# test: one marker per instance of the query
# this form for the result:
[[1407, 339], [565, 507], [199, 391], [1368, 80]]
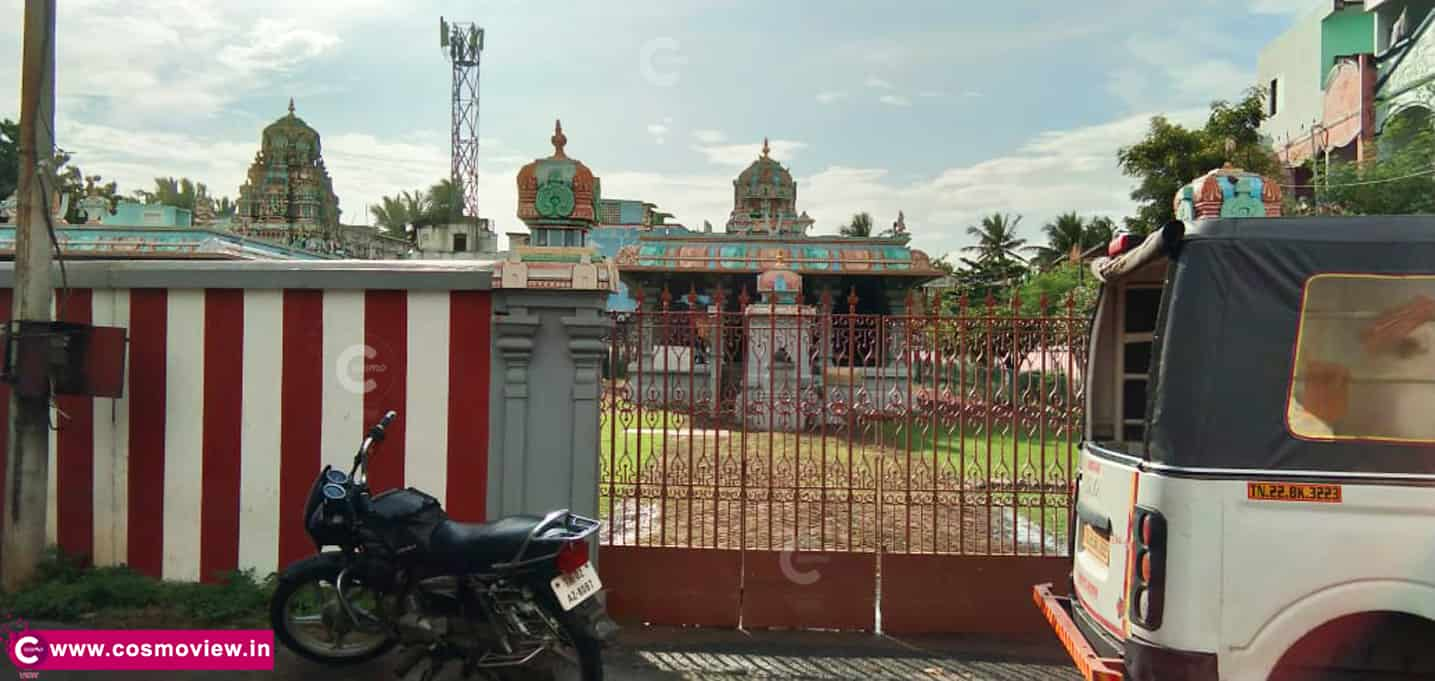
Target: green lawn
[[975, 448]]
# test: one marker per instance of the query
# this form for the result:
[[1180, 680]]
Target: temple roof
[[746, 254], [765, 172], [290, 128], [557, 191]]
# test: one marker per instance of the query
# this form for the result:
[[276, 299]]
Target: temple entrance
[[789, 465]]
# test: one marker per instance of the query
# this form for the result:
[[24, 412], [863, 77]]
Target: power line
[[1363, 183]]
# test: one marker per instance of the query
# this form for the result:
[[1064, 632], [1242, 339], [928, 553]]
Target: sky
[[947, 110]]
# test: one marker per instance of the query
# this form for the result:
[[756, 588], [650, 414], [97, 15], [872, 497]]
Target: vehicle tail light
[[572, 556], [1121, 243], [1148, 579]]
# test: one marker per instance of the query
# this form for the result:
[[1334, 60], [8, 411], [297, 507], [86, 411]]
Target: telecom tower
[[463, 42]]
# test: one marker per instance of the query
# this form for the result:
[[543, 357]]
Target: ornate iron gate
[[770, 465]]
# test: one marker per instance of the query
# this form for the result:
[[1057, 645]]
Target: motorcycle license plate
[[576, 587]]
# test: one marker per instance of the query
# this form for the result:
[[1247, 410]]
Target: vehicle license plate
[[577, 587], [1095, 544], [1283, 491]]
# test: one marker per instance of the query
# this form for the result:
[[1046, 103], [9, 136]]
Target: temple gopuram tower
[[288, 194], [558, 202], [764, 200]]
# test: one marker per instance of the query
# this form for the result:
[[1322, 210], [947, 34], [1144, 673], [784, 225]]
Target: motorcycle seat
[[466, 548]]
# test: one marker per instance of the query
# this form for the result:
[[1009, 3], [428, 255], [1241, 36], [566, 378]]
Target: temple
[[288, 195], [765, 232], [558, 201]]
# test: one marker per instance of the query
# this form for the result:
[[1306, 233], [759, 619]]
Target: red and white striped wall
[[235, 398]]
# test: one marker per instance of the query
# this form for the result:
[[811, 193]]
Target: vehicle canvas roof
[[1225, 345]]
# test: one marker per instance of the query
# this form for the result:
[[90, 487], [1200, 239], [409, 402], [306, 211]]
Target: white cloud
[[830, 96], [659, 132], [1054, 172], [931, 93], [973, 93], [275, 46], [739, 155], [364, 167], [709, 136], [875, 82], [895, 100], [1181, 73], [160, 62]]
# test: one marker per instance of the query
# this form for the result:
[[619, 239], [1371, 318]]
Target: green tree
[[9, 157], [1068, 231], [1055, 285], [392, 215], [1099, 231], [1399, 182], [997, 240], [859, 226], [444, 203], [979, 280], [1172, 155], [183, 193]]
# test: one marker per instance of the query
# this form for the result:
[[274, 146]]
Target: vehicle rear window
[[1364, 365]]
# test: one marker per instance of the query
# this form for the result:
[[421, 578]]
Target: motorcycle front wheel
[[309, 619]]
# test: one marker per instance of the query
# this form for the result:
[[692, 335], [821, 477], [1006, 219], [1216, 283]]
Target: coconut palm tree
[[1099, 231], [996, 239], [391, 215], [859, 226], [1067, 232]]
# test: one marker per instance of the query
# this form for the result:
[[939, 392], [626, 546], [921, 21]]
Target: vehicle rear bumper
[[1141, 661], [1093, 667]]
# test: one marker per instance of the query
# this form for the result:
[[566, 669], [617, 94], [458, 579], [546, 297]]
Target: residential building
[[1314, 80]]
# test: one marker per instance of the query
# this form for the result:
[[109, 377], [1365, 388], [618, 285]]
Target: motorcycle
[[516, 598]]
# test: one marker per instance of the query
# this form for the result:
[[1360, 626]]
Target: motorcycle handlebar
[[376, 434]]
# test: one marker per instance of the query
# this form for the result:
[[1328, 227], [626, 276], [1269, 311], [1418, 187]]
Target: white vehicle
[[1255, 496]]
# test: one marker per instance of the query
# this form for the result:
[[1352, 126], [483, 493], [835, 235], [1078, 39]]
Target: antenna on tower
[[462, 43]]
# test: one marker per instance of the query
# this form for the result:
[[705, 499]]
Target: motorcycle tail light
[[572, 556]]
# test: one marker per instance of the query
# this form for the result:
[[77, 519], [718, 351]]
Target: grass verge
[[66, 591]]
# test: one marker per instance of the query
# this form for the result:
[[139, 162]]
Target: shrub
[[63, 590]]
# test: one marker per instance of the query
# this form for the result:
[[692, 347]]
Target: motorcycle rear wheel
[[308, 619]]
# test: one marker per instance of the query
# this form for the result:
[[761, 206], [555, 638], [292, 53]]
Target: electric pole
[[27, 464]]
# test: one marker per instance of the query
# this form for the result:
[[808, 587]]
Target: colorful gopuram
[[288, 195], [765, 231]]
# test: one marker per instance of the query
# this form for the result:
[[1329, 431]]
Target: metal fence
[[786, 427]]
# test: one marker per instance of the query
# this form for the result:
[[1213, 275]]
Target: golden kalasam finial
[[291, 105], [764, 147], [559, 140]]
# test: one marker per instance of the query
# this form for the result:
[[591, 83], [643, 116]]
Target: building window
[[1274, 97], [460, 243], [1363, 355]]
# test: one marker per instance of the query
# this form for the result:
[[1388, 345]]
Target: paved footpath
[[665, 654]]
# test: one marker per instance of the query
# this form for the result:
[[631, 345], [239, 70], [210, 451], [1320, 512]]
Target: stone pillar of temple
[[551, 332]]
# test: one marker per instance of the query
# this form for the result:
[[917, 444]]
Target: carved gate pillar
[[550, 342]]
